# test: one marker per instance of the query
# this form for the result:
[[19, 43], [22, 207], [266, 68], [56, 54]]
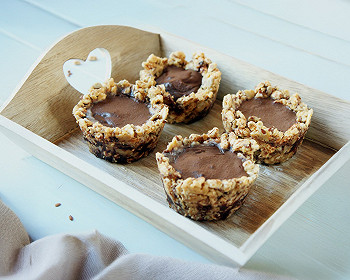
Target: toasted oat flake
[[201, 198], [130, 142], [191, 107], [275, 146], [97, 86], [92, 58], [77, 62]]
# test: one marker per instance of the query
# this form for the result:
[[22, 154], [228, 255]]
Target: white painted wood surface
[[277, 193], [313, 243]]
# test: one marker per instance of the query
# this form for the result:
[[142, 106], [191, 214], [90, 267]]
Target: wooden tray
[[38, 117]]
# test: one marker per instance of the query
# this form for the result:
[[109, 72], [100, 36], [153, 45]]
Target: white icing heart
[[82, 74]]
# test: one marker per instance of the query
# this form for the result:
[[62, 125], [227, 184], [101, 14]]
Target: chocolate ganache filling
[[272, 114], [180, 82], [207, 161], [118, 111]]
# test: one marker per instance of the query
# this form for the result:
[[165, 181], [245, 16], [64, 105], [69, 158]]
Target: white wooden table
[[306, 41]]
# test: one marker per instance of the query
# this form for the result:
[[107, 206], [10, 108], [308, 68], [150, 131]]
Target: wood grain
[[331, 130], [52, 97], [273, 187], [43, 105]]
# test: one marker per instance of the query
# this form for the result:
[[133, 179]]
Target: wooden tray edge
[[180, 228], [225, 252], [312, 184]]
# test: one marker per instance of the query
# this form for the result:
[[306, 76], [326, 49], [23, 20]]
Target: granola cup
[[130, 142], [196, 105], [207, 199], [275, 146]]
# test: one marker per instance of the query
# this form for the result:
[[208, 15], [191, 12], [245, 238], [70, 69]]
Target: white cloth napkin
[[93, 256]]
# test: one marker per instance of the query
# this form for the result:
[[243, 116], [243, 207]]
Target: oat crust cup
[[193, 105], [207, 199], [276, 146], [127, 143]]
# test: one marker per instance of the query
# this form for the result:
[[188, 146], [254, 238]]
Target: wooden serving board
[[38, 117]]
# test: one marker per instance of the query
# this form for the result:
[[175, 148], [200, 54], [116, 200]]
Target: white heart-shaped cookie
[[82, 74]]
